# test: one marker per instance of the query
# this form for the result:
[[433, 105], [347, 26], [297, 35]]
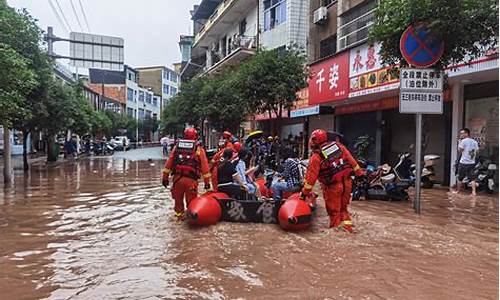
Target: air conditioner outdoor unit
[[320, 15]]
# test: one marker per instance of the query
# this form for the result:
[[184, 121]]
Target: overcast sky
[[150, 28]]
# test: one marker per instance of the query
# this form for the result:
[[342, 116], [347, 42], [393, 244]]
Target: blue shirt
[[241, 170]]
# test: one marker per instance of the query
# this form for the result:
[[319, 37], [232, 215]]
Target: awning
[[311, 110]]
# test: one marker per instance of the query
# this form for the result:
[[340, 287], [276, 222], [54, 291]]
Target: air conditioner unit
[[320, 15]]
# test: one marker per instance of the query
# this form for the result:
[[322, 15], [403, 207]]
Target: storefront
[[474, 90]]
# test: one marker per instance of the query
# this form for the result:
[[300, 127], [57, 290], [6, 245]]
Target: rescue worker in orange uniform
[[187, 162], [331, 163], [224, 143]]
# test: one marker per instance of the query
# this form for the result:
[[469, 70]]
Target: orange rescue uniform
[[185, 184], [336, 183]]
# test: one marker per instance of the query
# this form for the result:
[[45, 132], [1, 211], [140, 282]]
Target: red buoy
[[295, 214], [205, 209]]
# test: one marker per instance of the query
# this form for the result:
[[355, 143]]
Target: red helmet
[[190, 134], [318, 137], [227, 135], [237, 146]]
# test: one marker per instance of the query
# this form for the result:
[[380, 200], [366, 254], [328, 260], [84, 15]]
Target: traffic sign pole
[[418, 163]]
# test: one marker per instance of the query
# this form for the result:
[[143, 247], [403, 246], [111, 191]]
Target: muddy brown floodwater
[[102, 229]]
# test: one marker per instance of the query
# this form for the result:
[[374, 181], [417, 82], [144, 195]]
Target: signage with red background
[[329, 79]]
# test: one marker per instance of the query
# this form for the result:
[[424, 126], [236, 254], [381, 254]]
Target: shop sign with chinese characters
[[367, 74], [329, 79], [421, 91]]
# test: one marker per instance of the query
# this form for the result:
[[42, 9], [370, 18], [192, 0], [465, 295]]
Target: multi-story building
[[134, 100], [228, 32], [163, 81], [348, 75]]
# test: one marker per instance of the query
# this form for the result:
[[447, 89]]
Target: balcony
[[226, 16], [239, 50]]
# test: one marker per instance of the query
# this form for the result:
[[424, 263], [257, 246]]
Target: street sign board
[[421, 91], [419, 47], [96, 51]]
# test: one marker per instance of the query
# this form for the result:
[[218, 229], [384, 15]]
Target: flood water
[[103, 229]]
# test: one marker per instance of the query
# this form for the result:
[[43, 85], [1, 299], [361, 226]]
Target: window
[[141, 113], [165, 89], [355, 24], [274, 13], [328, 46], [130, 112], [141, 96], [173, 90], [130, 94], [148, 114], [148, 98], [243, 26], [155, 101], [328, 2]]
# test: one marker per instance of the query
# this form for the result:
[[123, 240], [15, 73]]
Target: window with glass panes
[[274, 13]]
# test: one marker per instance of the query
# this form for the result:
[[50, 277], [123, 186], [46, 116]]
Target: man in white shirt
[[467, 149]]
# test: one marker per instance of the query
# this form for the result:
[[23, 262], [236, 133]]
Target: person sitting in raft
[[229, 181], [290, 179], [243, 163]]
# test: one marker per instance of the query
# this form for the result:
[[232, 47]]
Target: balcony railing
[[219, 11], [238, 42]]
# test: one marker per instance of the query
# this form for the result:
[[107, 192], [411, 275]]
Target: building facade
[[228, 32], [162, 81], [348, 76]]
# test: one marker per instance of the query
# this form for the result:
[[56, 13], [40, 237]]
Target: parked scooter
[[484, 172], [428, 178], [380, 184]]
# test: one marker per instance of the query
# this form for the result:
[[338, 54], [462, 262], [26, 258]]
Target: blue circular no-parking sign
[[419, 46]]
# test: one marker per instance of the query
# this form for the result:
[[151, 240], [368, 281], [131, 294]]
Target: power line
[[76, 15], [63, 16], [84, 15], [58, 17]]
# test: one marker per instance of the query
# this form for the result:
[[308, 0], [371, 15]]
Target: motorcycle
[[380, 184], [428, 177], [484, 172]]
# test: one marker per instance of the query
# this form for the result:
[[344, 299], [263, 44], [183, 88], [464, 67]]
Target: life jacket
[[334, 166], [186, 160]]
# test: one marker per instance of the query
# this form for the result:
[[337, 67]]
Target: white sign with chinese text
[[421, 79], [421, 91], [364, 59]]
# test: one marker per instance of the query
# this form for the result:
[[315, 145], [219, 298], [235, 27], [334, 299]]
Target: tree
[[271, 79], [100, 123], [19, 38], [467, 27], [148, 126], [25, 119], [57, 114], [225, 106], [171, 123]]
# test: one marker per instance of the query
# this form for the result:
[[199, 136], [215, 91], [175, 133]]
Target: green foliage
[[467, 27], [171, 122], [19, 45], [16, 80], [270, 80], [120, 124], [100, 123], [362, 146]]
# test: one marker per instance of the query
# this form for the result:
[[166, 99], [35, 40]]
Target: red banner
[[329, 79]]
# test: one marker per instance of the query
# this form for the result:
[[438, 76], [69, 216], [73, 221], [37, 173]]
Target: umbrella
[[254, 135]]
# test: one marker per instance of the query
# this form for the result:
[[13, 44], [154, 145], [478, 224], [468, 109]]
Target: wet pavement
[[102, 229]]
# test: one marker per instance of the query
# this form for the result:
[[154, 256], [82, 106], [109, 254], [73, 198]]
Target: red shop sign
[[329, 79]]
